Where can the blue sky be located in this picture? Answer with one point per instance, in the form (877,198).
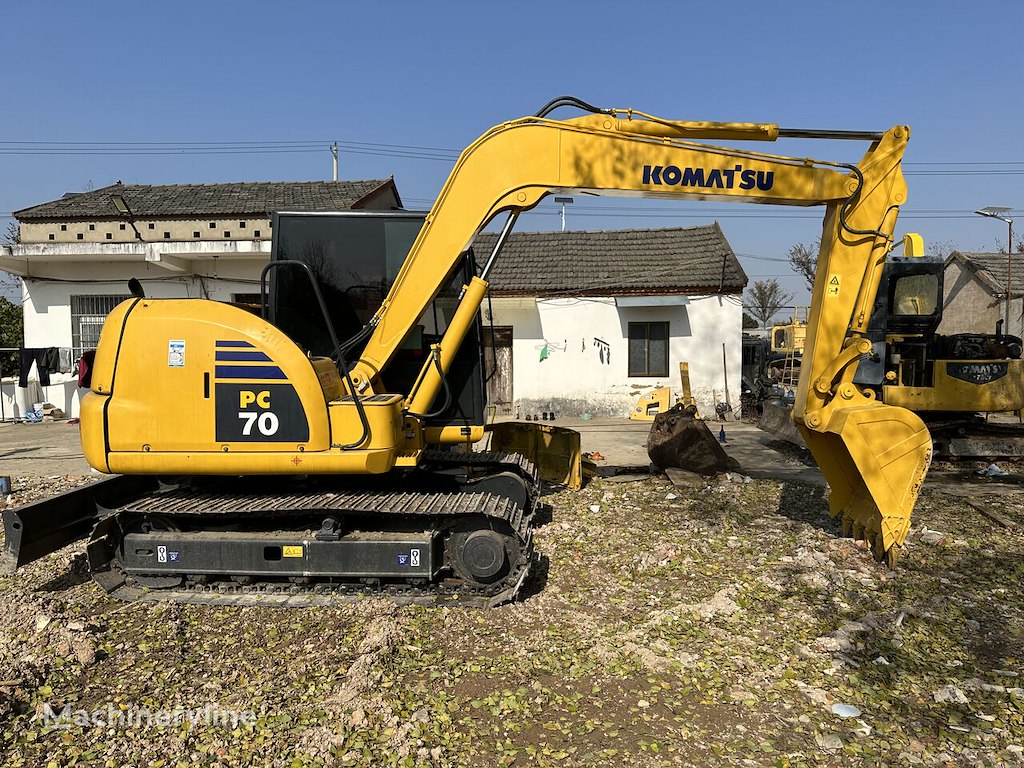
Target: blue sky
(416,74)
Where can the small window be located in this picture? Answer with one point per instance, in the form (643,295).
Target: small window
(255,233)
(80,236)
(227,233)
(122,227)
(648,349)
(241,225)
(152,225)
(213,225)
(51,236)
(63,227)
(196,234)
(92,227)
(110,236)
(167,235)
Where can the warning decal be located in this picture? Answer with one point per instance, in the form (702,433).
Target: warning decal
(832,289)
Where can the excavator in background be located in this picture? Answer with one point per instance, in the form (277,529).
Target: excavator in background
(253,468)
(952,382)
(771,365)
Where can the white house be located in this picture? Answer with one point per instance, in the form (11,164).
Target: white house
(586,321)
(76,255)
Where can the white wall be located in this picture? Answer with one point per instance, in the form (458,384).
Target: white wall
(47,306)
(573,379)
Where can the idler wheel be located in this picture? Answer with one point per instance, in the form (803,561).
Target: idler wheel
(481,554)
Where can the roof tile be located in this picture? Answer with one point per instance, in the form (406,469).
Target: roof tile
(643,261)
(191,200)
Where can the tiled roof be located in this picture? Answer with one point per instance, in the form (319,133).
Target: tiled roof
(637,261)
(202,200)
(991,269)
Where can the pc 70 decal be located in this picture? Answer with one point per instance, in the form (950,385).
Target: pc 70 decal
(260,412)
(266,420)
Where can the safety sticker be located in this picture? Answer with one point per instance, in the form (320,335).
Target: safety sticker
(292,551)
(403,558)
(173,556)
(161,554)
(414,558)
(832,289)
(176,353)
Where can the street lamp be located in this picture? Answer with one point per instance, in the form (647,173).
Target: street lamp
(564,201)
(1000,212)
(124,210)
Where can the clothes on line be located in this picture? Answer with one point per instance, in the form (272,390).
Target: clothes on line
(47,360)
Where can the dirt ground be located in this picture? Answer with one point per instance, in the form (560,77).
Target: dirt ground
(715,624)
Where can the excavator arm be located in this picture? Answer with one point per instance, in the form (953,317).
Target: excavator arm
(873,456)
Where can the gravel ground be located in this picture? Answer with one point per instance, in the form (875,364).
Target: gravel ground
(709,625)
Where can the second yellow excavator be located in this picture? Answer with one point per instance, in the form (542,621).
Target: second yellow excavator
(253,469)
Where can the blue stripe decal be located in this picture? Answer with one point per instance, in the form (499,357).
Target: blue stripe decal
(254,357)
(258,372)
(234,344)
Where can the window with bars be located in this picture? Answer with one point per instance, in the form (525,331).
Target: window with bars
(648,349)
(87,316)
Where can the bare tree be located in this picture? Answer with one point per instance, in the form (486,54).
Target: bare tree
(764,299)
(804,261)
(941,248)
(13,233)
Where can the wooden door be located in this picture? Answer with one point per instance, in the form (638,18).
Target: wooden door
(498,367)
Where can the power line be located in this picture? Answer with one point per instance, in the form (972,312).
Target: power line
(408,151)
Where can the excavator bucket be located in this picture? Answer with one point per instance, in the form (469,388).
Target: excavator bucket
(777,419)
(874,458)
(679,439)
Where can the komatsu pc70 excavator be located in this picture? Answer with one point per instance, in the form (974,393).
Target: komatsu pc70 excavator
(250,470)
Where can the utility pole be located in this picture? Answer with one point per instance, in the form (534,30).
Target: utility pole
(334,153)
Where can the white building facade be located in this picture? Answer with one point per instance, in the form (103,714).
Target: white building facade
(591,320)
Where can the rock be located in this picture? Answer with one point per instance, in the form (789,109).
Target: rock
(931,537)
(721,604)
(42,622)
(85,652)
(830,742)
(682,478)
(951,694)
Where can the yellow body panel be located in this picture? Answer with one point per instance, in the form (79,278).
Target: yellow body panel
(200,387)
(949,393)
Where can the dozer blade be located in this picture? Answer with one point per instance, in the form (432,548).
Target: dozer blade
(679,439)
(874,458)
(555,451)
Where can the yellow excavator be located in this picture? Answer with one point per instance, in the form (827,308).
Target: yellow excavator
(251,470)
